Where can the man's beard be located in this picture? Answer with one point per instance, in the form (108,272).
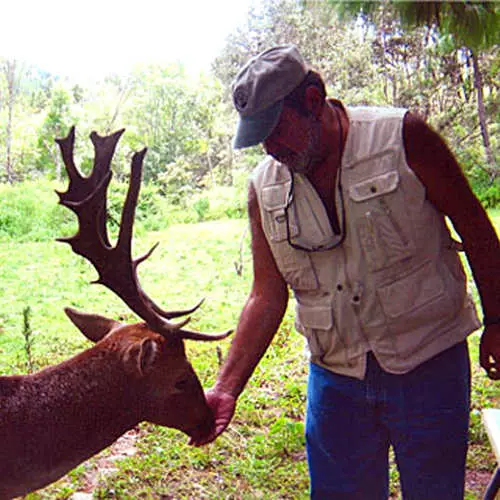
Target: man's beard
(307,160)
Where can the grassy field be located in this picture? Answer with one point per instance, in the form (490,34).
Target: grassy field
(262,454)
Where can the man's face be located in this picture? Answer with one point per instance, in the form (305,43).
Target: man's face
(295,141)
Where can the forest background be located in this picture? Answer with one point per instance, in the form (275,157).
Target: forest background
(192,175)
(187,121)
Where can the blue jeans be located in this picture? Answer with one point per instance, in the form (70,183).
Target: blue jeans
(423,414)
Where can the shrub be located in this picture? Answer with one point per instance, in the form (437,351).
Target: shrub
(487,191)
(150,213)
(30,211)
(221,202)
(490,196)
(201,207)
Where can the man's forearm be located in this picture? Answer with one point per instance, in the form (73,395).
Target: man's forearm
(257,326)
(483,253)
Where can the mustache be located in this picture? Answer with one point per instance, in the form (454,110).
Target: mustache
(303,161)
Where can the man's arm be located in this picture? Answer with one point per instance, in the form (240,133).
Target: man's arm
(259,321)
(448,189)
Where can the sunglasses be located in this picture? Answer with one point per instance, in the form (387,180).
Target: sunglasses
(337,237)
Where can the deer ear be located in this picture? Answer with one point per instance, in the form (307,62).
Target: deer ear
(147,356)
(141,356)
(93,326)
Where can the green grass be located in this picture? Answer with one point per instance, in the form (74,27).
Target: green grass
(262,454)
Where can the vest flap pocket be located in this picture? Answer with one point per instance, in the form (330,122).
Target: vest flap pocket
(275,197)
(374,187)
(422,287)
(274,201)
(303,278)
(316,318)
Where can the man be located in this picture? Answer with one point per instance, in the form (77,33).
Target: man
(348,210)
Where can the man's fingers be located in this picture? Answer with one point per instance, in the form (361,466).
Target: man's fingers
(220,427)
(493,372)
(490,365)
(489,351)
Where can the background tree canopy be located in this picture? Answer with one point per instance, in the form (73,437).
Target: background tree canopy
(437,59)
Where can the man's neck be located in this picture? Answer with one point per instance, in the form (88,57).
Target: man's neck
(324,175)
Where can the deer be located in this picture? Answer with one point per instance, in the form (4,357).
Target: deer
(56,418)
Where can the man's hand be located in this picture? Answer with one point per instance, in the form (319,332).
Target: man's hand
(223,406)
(489,351)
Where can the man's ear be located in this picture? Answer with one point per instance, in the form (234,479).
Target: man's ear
(93,326)
(314,100)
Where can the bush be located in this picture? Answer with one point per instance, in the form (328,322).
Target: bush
(488,192)
(151,211)
(30,211)
(222,202)
(490,196)
(201,207)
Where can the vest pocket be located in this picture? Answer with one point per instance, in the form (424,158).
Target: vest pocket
(295,266)
(274,202)
(316,324)
(383,235)
(416,297)
(374,187)
(300,275)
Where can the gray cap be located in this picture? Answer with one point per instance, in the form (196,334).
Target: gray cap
(259,89)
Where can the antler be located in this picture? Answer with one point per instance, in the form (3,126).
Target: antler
(86,197)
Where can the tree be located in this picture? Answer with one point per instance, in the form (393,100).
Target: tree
(12,72)
(177,117)
(56,124)
(470,26)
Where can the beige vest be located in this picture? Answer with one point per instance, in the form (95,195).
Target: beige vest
(395,285)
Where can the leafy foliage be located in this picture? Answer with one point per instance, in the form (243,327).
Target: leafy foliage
(29,211)
(473,24)
(187,121)
(57,121)
(452,50)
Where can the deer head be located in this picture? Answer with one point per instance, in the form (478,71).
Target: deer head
(159,379)
(150,349)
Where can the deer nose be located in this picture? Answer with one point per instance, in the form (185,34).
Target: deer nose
(204,428)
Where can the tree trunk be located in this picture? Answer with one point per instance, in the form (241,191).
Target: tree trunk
(478,84)
(210,166)
(10,73)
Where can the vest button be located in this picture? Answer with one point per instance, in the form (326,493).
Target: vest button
(355,298)
(340,287)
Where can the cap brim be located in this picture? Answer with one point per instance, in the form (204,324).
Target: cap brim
(256,128)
